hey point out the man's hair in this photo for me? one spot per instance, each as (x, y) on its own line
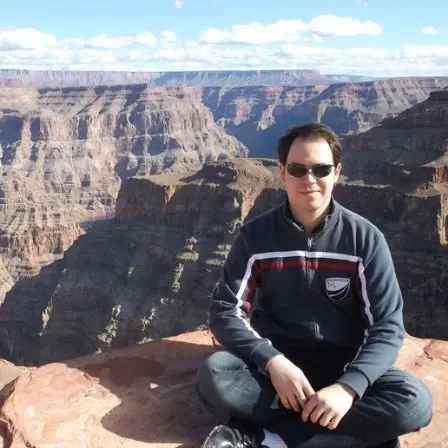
(309, 132)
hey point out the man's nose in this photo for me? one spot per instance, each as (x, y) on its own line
(309, 177)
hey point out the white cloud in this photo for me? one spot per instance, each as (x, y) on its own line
(25, 39)
(430, 30)
(146, 38)
(290, 30)
(168, 39)
(315, 38)
(362, 2)
(412, 52)
(344, 26)
(179, 3)
(104, 41)
(136, 55)
(255, 33)
(114, 43)
(292, 44)
(169, 36)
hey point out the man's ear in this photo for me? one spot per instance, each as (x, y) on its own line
(282, 170)
(337, 171)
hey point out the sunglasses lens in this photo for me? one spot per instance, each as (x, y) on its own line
(296, 170)
(322, 170)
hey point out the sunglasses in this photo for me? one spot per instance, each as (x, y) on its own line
(299, 170)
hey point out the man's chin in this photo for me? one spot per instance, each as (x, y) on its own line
(310, 205)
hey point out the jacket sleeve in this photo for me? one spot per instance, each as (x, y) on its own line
(231, 302)
(382, 305)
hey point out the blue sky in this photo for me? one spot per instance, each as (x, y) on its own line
(394, 37)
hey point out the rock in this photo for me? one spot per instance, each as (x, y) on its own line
(139, 396)
(72, 148)
(409, 151)
(144, 275)
(257, 116)
(9, 372)
(6, 282)
(407, 159)
(148, 273)
(144, 396)
(428, 360)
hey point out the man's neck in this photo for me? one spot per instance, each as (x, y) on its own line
(310, 220)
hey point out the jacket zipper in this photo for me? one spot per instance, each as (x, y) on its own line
(308, 259)
(309, 243)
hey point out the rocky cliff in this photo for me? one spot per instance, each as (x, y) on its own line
(144, 396)
(409, 148)
(257, 116)
(148, 273)
(225, 78)
(71, 147)
(408, 154)
(64, 153)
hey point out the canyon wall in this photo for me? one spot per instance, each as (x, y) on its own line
(64, 153)
(149, 272)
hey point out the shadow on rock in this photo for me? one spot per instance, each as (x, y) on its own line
(155, 385)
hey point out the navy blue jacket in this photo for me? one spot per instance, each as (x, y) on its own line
(336, 287)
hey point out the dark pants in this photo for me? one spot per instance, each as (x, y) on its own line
(396, 404)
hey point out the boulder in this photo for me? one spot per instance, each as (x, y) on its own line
(144, 396)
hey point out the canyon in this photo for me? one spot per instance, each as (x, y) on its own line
(64, 152)
(118, 204)
(258, 116)
(118, 207)
(148, 273)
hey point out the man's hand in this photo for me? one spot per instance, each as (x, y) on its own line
(290, 383)
(329, 405)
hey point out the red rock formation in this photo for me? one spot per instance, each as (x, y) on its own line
(144, 396)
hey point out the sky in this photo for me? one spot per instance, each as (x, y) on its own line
(361, 37)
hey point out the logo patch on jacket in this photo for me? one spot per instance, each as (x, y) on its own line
(337, 288)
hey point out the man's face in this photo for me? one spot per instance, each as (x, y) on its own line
(310, 192)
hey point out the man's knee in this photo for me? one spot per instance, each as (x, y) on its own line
(415, 410)
(216, 375)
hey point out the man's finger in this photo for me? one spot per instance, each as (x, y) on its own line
(317, 413)
(336, 419)
(309, 407)
(307, 389)
(284, 401)
(301, 397)
(295, 404)
(325, 418)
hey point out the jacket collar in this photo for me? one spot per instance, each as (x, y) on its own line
(329, 221)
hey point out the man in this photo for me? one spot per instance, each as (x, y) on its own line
(310, 314)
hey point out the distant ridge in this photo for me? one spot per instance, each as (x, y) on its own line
(226, 78)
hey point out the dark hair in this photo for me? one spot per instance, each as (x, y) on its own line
(310, 132)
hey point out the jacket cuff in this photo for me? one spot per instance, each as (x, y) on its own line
(263, 354)
(356, 380)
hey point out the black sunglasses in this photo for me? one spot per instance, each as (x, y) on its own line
(299, 170)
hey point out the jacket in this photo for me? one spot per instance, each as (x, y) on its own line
(337, 286)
